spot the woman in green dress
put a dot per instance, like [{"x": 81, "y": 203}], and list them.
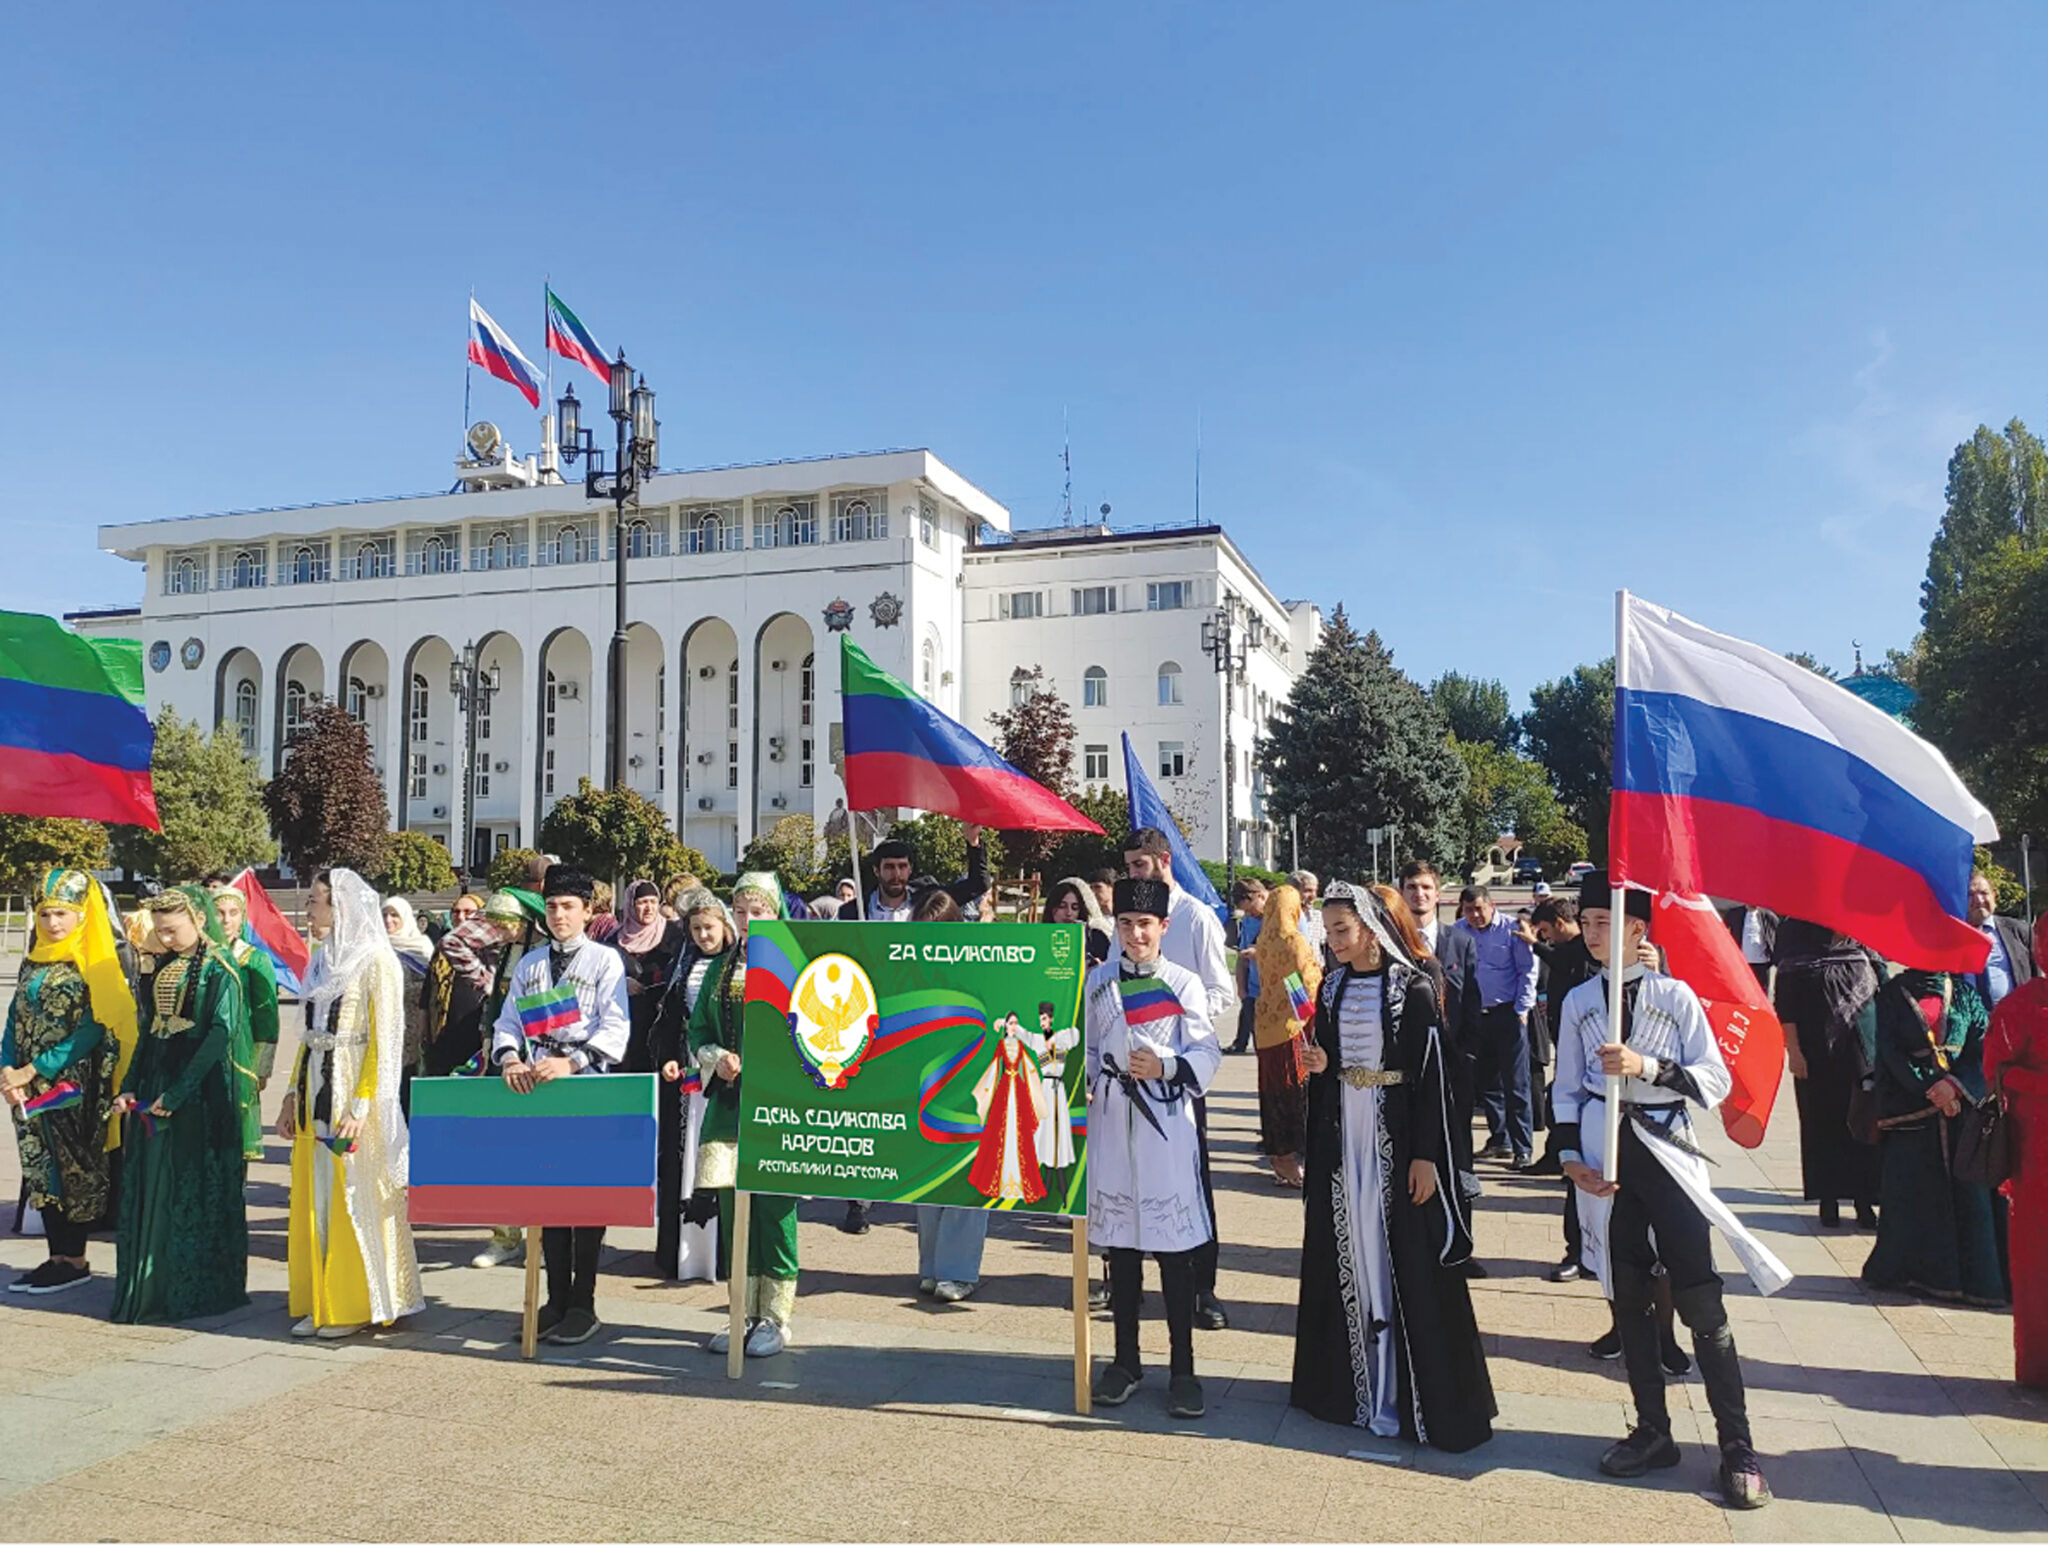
[
  {"x": 68, "y": 1028},
  {"x": 254, "y": 1058},
  {"x": 184, "y": 1234}
]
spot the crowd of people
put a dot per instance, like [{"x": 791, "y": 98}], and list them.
[{"x": 137, "y": 1051}]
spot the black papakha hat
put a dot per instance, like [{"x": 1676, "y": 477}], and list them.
[
  {"x": 1153, "y": 896},
  {"x": 564, "y": 881},
  {"x": 1596, "y": 893}
]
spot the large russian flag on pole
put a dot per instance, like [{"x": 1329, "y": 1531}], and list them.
[
  {"x": 902, "y": 751},
  {"x": 74, "y": 737},
  {"x": 492, "y": 347},
  {"x": 1741, "y": 774}
]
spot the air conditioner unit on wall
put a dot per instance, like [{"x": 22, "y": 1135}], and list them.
[
  {"x": 503, "y": 767},
  {"x": 440, "y": 812},
  {"x": 704, "y": 803},
  {"x": 780, "y": 802},
  {"x": 704, "y": 758},
  {"x": 566, "y": 690},
  {"x": 440, "y": 769},
  {"x": 374, "y": 689}
]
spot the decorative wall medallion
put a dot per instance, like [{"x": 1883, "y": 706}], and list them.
[
  {"x": 191, "y": 652},
  {"x": 839, "y": 617},
  {"x": 160, "y": 655},
  {"x": 886, "y": 610}
]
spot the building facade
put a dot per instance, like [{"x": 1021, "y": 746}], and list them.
[{"x": 737, "y": 578}]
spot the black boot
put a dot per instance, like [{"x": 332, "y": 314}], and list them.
[
  {"x": 1713, "y": 1351},
  {"x": 1831, "y": 1213}
]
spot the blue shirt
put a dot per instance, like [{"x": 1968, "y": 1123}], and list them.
[
  {"x": 1505, "y": 965},
  {"x": 1997, "y": 966},
  {"x": 1247, "y": 935}
]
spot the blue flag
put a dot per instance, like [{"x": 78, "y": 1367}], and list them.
[{"x": 1148, "y": 809}]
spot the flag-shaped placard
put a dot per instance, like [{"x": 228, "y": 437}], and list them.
[
  {"x": 61, "y": 1096},
  {"x": 552, "y": 1009},
  {"x": 575, "y": 1153},
  {"x": 1147, "y": 999},
  {"x": 1299, "y": 1003}
]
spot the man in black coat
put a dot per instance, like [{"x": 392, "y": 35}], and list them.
[
  {"x": 2011, "y": 961},
  {"x": 1454, "y": 952},
  {"x": 891, "y": 901}
]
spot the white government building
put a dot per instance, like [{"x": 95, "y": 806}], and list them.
[{"x": 738, "y": 576}]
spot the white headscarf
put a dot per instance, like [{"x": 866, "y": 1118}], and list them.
[
  {"x": 357, "y": 935},
  {"x": 408, "y": 940}
]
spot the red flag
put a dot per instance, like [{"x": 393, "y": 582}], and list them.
[
  {"x": 281, "y": 941},
  {"x": 1700, "y": 952}
]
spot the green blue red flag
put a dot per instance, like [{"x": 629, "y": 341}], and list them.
[{"x": 75, "y": 739}]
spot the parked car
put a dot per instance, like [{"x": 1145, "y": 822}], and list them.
[
  {"x": 1577, "y": 872},
  {"x": 1528, "y": 871}
]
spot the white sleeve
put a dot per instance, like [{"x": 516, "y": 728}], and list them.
[
  {"x": 614, "y": 1026},
  {"x": 1568, "y": 1090},
  {"x": 1702, "y": 1054},
  {"x": 1215, "y": 969},
  {"x": 505, "y": 1035},
  {"x": 1195, "y": 1045}
]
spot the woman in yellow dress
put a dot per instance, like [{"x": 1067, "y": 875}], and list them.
[{"x": 350, "y": 1250}]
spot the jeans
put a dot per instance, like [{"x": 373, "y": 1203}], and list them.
[
  {"x": 949, "y": 1241},
  {"x": 1504, "y": 1077}
]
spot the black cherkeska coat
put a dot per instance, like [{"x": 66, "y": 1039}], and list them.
[{"x": 1446, "y": 1396}]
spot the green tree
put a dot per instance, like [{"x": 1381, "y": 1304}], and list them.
[
  {"x": 617, "y": 835},
  {"x": 1509, "y": 793},
  {"x": 1036, "y": 736},
  {"x": 1983, "y": 683},
  {"x": 1476, "y": 710},
  {"x": 510, "y": 868},
  {"x": 938, "y": 847},
  {"x": 1358, "y": 745},
  {"x": 1997, "y": 489},
  {"x": 327, "y": 804},
  {"x": 1082, "y": 853},
  {"x": 790, "y": 849},
  {"x": 414, "y": 863},
  {"x": 209, "y": 796},
  {"x": 1811, "y": 662},
  {"x": 32, "y": 845},
  {"x": 1570, "y": 731}
]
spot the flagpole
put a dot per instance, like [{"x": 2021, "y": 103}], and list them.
[
  {"x": 860, "y": 895},
  {"x": 1617, "y": 920},
  {"x": 469, "y": 331},
  {"x": 547, "y": 288}
]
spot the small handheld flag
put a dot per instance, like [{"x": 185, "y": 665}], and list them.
[
  {"x": 60, "y": 1096},
  {"x": 543, "y": 1013},
  {"x": 568, "y": 337},
  {"x": 492, "y": 347},
  {"x": 342, "y": 1147},
  {"x": 1147, "y": 1000},
  {"x": 1298, "y": 1000},
  {"x": 75, "y": 739}
]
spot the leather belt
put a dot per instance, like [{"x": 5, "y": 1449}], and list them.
[{"x": 1373, "y": 1078}]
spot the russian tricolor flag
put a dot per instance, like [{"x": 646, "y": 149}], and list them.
[
  {"x": 492, "y": 347},
  {"x": 902, "y": 751},
  {"x": 1740, "y": 774}
]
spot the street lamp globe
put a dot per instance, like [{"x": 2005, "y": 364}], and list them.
[
  {"x": 568, "y": 420},
  {"x": 622, "y": 387}
]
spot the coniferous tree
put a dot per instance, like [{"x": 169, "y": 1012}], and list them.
[{"x": 1358, "y": 745}]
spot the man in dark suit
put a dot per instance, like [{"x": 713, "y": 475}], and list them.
[
  {"x": 1454, "y": 952},
  {"x": 2012, "y": 954}
]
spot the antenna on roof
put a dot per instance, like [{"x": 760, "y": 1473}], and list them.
[
  {"x": 1198, "y": 464},
  {"x": 1067, "y": 466}
]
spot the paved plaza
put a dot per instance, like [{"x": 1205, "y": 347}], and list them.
[{"x": 894, "y": 1418}]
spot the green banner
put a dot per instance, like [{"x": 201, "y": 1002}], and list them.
[{"x": 916, "y": 1062}]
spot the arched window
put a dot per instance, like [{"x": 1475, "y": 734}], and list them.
[
  {"x": 1095, "y": 687},
  {"x": 707, "y": 533},
  {"x": 373, "y": 560},
  {"x": 245, "y": 713},
  {"x": 807, "y": 689},
  {"x": 639, "y": 539},
  {"x": 569, "y": 545},
  {"x": 358, "y": 700},
  {"x": 928, "y": 669},
  {"x": 187, "y": 578},
  {"x": 248, "y": 568},
  {"x": 416, "y": 707},
  {"x": 547, "y": 723},
  {"x": 501, "y": 549},
  {"x": 294, "y": 710},
  {"x": 1020, "y": 687},
  {"x": 1169, "y": 685},
  {"x": 437, "y": 556},
  {"x": 305, "y": 565},
  {"x": 732, "y": 725}
]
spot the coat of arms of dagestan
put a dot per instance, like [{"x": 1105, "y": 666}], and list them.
[{"x": 833, "y": 1017}]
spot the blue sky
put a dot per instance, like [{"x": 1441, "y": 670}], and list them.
[{"x": 1484, "y": 310}]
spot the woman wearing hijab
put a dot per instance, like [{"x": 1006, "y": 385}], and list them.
[
  {"x": 415, "y": 952},
  {"x": 1384, "y": 1335},
  {"x": 1827, "y": 1000},
  {"x": 714, "y": 1040},
  {"x": 70, "y": 1032},
  {"x": 259, "y": 986},
  {"x": 650, "y": 945},
  {"x": 1935, "y": 1234},
  {"x": 1073, "y": 900},
  {"x": 2016, "y": 1065},
  {"x": 184, "y": 1230},
  {"x": 350, "y": 1250},
  {"x": 1285, "y": 958},
  {"x": 682, "y": 1208}
]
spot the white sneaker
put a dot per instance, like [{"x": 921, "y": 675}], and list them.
[
  {"x": 340, "y": 1332},
  {"x": 766, "y": 1339},
  {"x": 304, "y": 1328},
  {"x": 500, "y": 1255},
  {"x": 721, "y": 1341},
  {"x": 952, "y": 1292}
]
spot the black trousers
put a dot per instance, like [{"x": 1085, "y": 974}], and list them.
[
  {"x": 1246, "y": 1012},
  {"x": 1177, "y": 1286},
  {"x": 571, "y": 1257},
  {"x": 1204, "y": 1255},
  {"x": 1651, "y": 1203},
  {"x": 64, "y": 1237}
]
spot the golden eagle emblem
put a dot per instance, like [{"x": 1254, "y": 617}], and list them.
[{"x": 832, "y": 1017}]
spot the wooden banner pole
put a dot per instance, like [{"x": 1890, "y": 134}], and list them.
[
  {"x": 529, "y": 1330},
  {"x": 1084, "y": 1399},
  {"x": 736, "y": 1324}
]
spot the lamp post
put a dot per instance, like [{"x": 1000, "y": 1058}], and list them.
[
  {"x": 638, "y": 445},
  {"x": 1225, "y": 635},
  {"x": 473, "y": 684}
]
